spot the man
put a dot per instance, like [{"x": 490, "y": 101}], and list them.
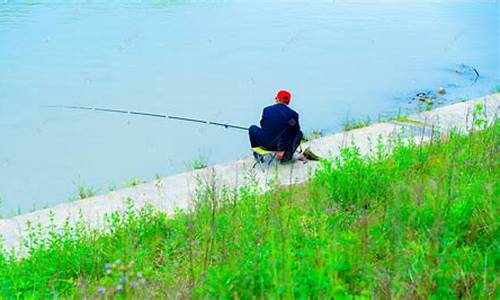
[{"x": 279, "y": 128}]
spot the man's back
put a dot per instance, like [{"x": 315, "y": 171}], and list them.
[{"x": 280, "y": 125}]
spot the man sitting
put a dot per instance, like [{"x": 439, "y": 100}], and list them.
[{"x": 279, "y": 128}]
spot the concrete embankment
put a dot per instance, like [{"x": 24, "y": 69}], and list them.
[{"x": 177, "y": 191}]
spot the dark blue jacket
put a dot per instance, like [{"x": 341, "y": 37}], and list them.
[{"x": 279, "y": 128}]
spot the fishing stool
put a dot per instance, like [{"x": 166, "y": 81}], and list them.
[{"x": 262, "y": 155}]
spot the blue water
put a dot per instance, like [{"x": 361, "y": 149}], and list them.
[{"x": 218, "y": 60}]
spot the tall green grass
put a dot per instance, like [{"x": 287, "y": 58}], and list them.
[
  {"x": 355, "y": 124},
  {"x": 418, "y": 223}
]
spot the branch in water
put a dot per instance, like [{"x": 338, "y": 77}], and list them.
[{"x": 477, "y": 74}]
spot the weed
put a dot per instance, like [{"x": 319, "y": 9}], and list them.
[
  {"x": 120, "y": 279},
  {"x": 133, "y": 182},
  {"x": 479, "y": 118},
  {"x": 85, "y": 192},
  {"x": 419, "y": 222},
  {"x": 405, "y": 119},
  {"x": 312, "y": 135},
  {"x": 199, "y": 163},
  {"x": 354, "y": 124}
]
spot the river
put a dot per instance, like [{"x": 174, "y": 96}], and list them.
[{"x": 216, "y": 60}]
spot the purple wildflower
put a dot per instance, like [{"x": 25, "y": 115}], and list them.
[
  {"x": 133, "y": 284},
  {"x": 123, "y": 280},
  {"x": 119, "y": 288},
  {"x": 142, "y": 281},
  {"x": 353, "y": 206},
  {"x": 118, "y": 262},
  {"x": 328, "y": 209},
  {"x": 107, "y": 266},
  {"x": 101, "y": 291},
  {"x": 139, "y": 275}
]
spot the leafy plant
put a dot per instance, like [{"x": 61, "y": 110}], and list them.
[
  {"x": 120, "y": 279},
  {"x": 479, "y": 117},
  {"x": 418, "y": 222},
  {"x": 199, "y": 163}
]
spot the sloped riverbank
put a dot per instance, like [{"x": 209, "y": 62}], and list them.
[
  {"x": 410, "y": 220},
  {"x": 176, "y": 192}
]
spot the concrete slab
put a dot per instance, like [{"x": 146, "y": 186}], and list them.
[
  {"x": 458, "y": 116},
  {"x": 177, "y": 191}
]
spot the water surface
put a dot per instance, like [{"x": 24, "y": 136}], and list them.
[{"x": 218, "y": 60}]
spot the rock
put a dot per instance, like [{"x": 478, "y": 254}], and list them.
[{"x": 440, "y": 91}]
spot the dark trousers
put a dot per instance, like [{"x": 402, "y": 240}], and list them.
[
  {"x": 255, "y": 133},
  {"x": 295, "y": 144}
]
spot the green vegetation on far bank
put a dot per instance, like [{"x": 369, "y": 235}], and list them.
[{"x": 418, "y": 223}]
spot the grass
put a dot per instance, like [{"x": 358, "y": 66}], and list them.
[
  {"x": 400, "y": 117},
  {"x": 420, "y": 222},
  {"x": 199, "y": 163},
  {"x": 405, "y": 119},
  {"x": 355, "y": 124},
  {"x": 85, "y": 192},
  {"x": 426, "y": 106},
  {"x": 312, "y": 135},
  {"x": 133, "y": 182}
]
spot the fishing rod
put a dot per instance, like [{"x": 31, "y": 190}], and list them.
[{"x": 147, "y": 114}]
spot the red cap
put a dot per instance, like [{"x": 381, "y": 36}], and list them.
[{"x": 284, "y": 96}]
